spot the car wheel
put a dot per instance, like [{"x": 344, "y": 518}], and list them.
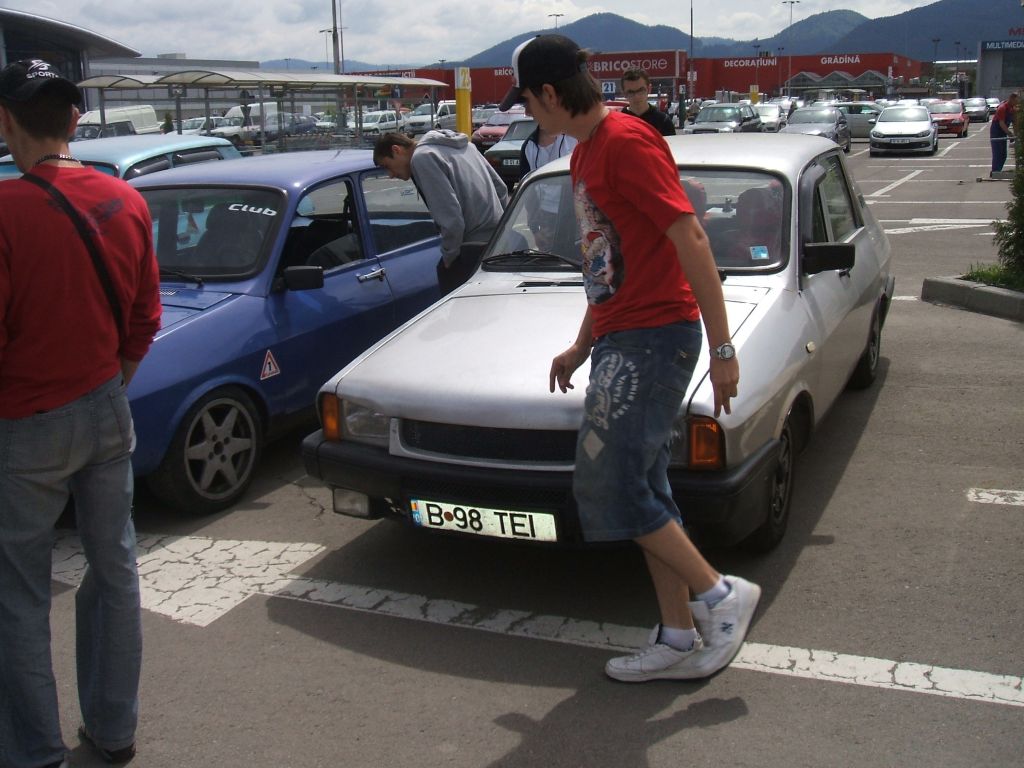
[
  {"x": 935, "y": 146},
  {"x": 872, "y": 153},
  {"x": 849, "y": 143},
  {"x": 864, "y": 373},
  {"x": 780, "y": 492},
  {"x": 211, "y": 459}
]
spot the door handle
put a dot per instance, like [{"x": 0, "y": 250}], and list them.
[{"x": 377, "y": 274}]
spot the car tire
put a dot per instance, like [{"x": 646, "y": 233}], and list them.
[
  {"x": 213, "y": 456},
  {"x": 780, "y": 494},
  {"x": 935, "y": 146},
  {"x": 866, "y": 370},
  {"x": 872, "y": 153},
  {"x": 849, "y": 143}
]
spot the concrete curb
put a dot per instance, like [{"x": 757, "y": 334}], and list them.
[{"x": 975, "y": 297}]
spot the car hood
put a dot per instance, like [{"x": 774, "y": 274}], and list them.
[
  {"x": 903, "y": 129},
  {"x": 715, "y": 126},
  {"x": 483, "y": 356},
  {"x": 809, "y": 128},
  {"x": 181, "y": 303}
]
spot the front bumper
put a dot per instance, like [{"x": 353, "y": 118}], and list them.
[
  {"x": 915, "y": 144},
  {"x": 720, "y": 508}
]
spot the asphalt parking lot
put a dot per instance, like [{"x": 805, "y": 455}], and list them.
[{"x": 278, "y": 634}]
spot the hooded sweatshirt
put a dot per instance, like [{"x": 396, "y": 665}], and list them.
[{"x": 464, "y": 193}]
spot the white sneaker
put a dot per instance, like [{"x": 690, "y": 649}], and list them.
[
  {"x": 656, "y": 662},
  {"x": 724, "y": 626}
]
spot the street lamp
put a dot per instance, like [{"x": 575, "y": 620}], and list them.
[
  {"x": 556, "y": 17},
  {"x": 789, "y": 30},
  {"x": 689, "y": 63},
  {"x": 757, "y": 69},
  {"x": 935, "y": 57},
  {"x": 781, "y": 49},
  {"x": 956, "y": 72}
]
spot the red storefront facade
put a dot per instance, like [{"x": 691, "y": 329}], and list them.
[{"x": 668, "y": 72}]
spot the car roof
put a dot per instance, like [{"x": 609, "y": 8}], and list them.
[
  {"x": 783, "y": 154},
  {"x": 125, "y": 150},
  {"x": 283, "y": 170}
]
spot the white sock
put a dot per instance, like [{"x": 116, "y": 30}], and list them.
[
  {"x": 680, "y": 639},
  {"x": 716, "y": 594}
]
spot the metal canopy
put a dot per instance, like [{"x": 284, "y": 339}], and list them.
[{"x": 235, "y": 78}]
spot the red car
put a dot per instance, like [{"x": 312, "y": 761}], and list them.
[
  {"x": 491, "y": 132},
  {"x": 950, "y": 117}
]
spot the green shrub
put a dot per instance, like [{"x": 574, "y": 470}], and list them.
[{"x": 1009, "y": 237}]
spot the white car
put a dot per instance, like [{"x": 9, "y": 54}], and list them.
[
  {"x": 376, "y": 123},
  {"x": 448, "y": 424},
  {"x": 904, "y": 129}
]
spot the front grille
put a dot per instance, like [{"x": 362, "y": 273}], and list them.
[{"x": 526, "y": 445}]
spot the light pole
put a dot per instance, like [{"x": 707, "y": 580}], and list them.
[
  {"x": 789, "y": 30},
  {"x": 935, "y": 57},
  {"x": 956, "y": 72},
  {"x": 689, "y": 65},
  {"x": 556, "y": 17},
  {"x": 782, "y": 48},
  {"x": 757, "y": 69}
]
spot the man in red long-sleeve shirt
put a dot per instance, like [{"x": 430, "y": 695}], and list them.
[{"x": 65, "y": 424}]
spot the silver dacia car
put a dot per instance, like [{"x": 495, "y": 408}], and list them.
[{"x": 448, "y": 423}]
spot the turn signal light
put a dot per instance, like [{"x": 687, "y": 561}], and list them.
[
  {"x": 330, "y": 417},
  {"x": 707, "y": 443}
]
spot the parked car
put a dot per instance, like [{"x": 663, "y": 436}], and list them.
[
  {"x": 275, "y": 271},
  {"x": 821, "y": 121},
  {"x": 445, "y": 116},
  {"x": 420, "y": 120},
  {"x": 904, "y": 129},
  {"x": 950, "y": 117},
  {"x": 773, "y": 118},
  {"x": 117, "y": 121},
  {"x": 977, "y": 109},
  {"x": 491, "y": 132},
  {"x": 380, "y": 122},
  {"x": 725, "y": 118},
  {"x": 303, "y": 125},
  {"x": 129, "y": 157},
  {"x": 860, "y": 117},
  {"x": 504, "y": 156},
  {"x": 472, "y": 442},
  {"x": 202, "y": 124},
  {"x": 481, "y": 115},
  {"x": 993, "y": 104}
]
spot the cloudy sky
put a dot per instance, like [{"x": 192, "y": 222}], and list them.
[{"x": 421, "y": 33}]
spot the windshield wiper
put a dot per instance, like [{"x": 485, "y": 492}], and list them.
[
  {"x": 529, "y": 257},
  {"x": 184, "y": 275}
]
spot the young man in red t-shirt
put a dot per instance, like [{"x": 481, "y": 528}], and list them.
[
  {"x": 72, "y": 334},
  {"x": 649, "y": 277}
]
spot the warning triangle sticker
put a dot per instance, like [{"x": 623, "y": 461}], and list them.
[{"x": 270, "y": 367}]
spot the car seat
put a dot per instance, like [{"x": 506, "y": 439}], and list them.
[
  {"x": 758, "y": 232},
  {"x": 232, "y": 238},
  {"x": 342, "y": 250}
]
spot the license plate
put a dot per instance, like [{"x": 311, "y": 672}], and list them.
[
  {"x": 483, "y": 521},
  {"x": 900, "y": 141},
  {"x": 510, "y": 162}
]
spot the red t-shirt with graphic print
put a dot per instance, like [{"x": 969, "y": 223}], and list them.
[{"x": 627, "y": 194}]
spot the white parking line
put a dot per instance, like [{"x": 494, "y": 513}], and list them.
[
  {"x": 906, "y": 298},
  {"x": 996, "y": 496},
  {"x": 195, "y": 580},
  {"x": 895, "y": 184}
]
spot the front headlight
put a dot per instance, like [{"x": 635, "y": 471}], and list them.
[
  {"x": 924, "y": 134},
  {"x": 877, "y": 135},
  {"x": 727, "y": 129},
  {"x": 345, "y": 420}
]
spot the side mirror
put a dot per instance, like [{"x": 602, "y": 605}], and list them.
[
  {"x": 872, "y": 121},
  {"x": 303, "y": 278},
  {"x": 827, "y": 257}
]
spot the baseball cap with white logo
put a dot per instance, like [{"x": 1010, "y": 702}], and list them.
[
  {"x": 22, "y": 80},
  {"x": 539, "y": 60}
]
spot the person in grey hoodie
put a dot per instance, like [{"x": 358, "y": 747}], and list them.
[{"x": 464, "y": 194}]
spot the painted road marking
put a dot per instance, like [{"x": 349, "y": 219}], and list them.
[
  {"x": 905, "y": 298},
  {"x": 895, "y": 184},
  {"x": 196, "y": 580},
  {"x": 871, "y": 201},
  {"x": 995, "y": 496}
]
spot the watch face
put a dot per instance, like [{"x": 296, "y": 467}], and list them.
[{"x": 725, "y": 352}]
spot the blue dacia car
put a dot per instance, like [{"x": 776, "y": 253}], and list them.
[{"x": 276, "y": 271}]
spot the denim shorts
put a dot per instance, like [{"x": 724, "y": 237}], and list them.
[{"x": 638, "y": 379}]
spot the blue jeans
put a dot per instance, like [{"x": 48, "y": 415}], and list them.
[
  {"x": 638, "y": 379},
  {"x": 83, "y": 449},
  {"x": 1000, "y": 148}
]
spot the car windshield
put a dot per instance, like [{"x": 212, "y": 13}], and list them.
[
  {"x": 424, "y": 109},
  {"x": 976, "y": 102},
  {"x": 193, "y": 123},
  {"x": 519, "y": 130},
  {"x": 372, "y": 117},
  {"x": 812, "y": 116},
  {"x": 219, "y": 233},
  {"x": 944, "y": 109},
  {"x": 745, "y": 214},
  {"x": 718, "y": 114},
  {"x": 903, "y": 115},
  {"x": 768, "y": 110}
]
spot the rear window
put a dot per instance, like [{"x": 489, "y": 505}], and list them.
[{"x": 221, "y": 233}]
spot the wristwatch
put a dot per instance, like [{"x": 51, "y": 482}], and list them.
[{"x": 724, "y": 351}]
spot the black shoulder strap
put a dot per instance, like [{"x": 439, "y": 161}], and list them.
[{"x": 90, "y": 244}]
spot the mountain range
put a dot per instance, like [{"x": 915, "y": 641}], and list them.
[{"x": 958, "y": 25}]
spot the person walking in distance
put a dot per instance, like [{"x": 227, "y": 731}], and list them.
[
  {"x": 464, "y": 194},
  {"x": 79, "y": 307},
  {"x": 1001, "y": 131},
  {"x": 649, "y": 278},
  {"x": 636, "y": 85}
]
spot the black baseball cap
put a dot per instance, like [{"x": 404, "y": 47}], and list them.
[
  {"x": 539, "y": 60},
  {"x": 22, "y": 80}
]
